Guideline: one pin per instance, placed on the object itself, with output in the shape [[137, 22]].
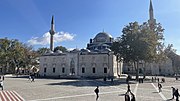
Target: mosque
[[97, 60]]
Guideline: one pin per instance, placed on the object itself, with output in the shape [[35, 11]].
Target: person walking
[[176, 94], [97, 92], [1, 85], [173, 90], [132, 97], [127, 98], [160, 87], [29, 78]]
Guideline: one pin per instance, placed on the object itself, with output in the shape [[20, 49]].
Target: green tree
[[42, 51], [61, 48], [139, 43], [15, 55]]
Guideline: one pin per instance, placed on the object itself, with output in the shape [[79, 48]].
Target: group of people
[[127, 94], [157, 79]]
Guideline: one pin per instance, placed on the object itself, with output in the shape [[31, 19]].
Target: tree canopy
[[139, 42], [14, 54]]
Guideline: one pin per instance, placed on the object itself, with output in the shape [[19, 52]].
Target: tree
[[15, 55], [42, 51], [4, 53], [171, 53], [61, 48], [139, 43]]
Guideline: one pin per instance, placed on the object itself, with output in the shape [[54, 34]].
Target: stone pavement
[[83, 89]]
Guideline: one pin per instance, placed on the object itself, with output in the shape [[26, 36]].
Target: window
[[63, 70], [94, 70], [83, 70], [54, 69], [105, 70], [44, 70]]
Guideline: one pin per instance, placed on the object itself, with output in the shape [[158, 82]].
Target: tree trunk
[[137, 70]]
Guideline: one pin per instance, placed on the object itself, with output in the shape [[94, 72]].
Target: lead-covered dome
[[102, 37]]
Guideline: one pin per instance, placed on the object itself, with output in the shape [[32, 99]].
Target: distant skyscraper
[[151, 20], [52, 32]]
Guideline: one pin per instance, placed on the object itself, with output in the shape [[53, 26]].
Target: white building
[[97, 61]]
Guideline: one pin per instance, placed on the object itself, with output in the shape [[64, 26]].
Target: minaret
[[151, 20], [52, 32]]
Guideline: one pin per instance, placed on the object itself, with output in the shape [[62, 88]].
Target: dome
[[58, 51], [49, 51], [102, 37], [107, 49], [75, 50], [85, 50]]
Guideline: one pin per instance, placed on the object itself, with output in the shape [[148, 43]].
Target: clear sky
[[76, 21]]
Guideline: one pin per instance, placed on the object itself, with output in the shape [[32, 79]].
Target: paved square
[[83, 89]]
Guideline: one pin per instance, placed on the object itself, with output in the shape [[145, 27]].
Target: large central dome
[[102, 37], [100, 42]]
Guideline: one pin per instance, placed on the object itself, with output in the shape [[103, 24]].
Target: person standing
[[97, 92], [158, 80], [173, 90], [3, 77]]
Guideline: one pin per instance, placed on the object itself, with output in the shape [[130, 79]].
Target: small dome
[[49, 51], [58, 51], [107, 49], [85, 50], [75, 50]]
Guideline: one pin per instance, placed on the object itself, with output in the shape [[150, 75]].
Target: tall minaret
[[151, 20], [52, 32]]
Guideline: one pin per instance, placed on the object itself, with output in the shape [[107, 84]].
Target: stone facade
[[160, 68], [79, 64]]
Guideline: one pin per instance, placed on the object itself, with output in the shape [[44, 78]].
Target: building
[[96, 61]]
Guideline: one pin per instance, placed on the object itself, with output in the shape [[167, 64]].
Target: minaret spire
[[151, 15], [52, 32], [151, 20]]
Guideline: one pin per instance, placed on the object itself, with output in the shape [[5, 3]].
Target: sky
[[76, 21]]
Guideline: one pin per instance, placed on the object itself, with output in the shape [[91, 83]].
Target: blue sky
[[76, 21]]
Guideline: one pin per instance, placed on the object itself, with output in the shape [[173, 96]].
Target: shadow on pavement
[[80, 83]]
